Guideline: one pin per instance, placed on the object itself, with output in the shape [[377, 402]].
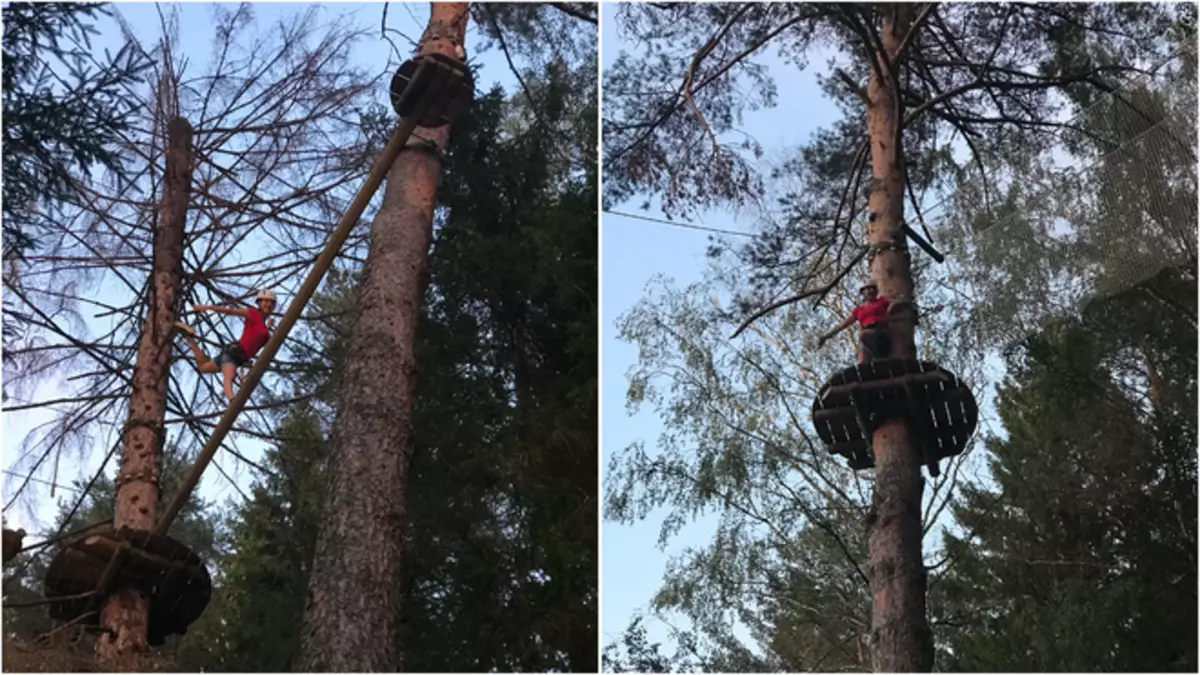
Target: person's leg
[[228, 370], [203, 363], [874, 344]]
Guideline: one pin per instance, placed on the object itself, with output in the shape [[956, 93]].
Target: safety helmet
[[869, 283], [265, 295]]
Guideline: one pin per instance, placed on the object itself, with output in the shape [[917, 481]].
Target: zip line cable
[[30, 477], [689, 226]]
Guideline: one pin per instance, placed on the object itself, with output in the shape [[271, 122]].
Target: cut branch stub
[[443, 77], [939, 406], [174, 579]]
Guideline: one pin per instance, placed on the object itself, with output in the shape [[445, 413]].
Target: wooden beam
[[890, 383]]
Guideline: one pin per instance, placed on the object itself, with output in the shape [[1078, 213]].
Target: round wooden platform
[[166, 571], [445, 78], [859, 399]]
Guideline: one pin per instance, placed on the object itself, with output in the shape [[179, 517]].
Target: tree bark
[[126, 611], [350, 623], [901, 639]]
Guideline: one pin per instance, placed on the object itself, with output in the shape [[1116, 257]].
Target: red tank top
[[871, 312], [254, 334]]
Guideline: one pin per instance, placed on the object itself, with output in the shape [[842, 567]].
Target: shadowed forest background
[[1050, 154], [500, 540]]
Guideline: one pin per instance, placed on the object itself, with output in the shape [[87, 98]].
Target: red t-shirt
[[255, 333], [871, 312]]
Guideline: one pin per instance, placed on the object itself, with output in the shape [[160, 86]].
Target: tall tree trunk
[[351, 619], [126, 611], [900, 636]]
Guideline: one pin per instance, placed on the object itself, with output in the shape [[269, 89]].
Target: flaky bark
[[900, 634], [126, 610], [350, 623]]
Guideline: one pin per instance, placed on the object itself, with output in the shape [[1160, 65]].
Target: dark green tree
[[506, 410], [253, 621], [1079, 555], [65, 108]]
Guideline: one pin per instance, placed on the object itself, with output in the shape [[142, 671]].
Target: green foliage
[[1081, 555], [634, 653], [64, 108], [505, 415], [1035, 240], [65, 111], [252, 623], [685, 150]]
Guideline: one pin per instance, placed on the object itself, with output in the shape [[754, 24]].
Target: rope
[[315, 276]]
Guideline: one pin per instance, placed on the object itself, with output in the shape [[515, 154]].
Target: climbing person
[[255, 333], [875, 340]]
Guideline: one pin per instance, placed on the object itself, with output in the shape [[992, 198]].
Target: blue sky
[[371, 53], [635, 251]]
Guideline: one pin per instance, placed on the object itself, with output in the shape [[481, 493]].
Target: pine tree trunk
[[350, 623], [127, 611], [900, 636]]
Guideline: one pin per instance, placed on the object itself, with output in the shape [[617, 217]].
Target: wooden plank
[[916, 378], [847, 449], [831, 414], [860, 416], [142, 564], [862, 461]]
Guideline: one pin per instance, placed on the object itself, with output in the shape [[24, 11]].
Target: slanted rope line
[[382, 165]]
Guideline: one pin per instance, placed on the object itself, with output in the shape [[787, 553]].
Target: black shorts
[[232, 353], [876, 342]]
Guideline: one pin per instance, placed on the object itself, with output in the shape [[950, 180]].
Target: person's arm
[[846, 323], [235, 311]]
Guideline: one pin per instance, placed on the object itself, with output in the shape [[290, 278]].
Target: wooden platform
[[166, 571], [442, 77], [856, 401]]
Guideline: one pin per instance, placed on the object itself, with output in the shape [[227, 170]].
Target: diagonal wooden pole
[[332, 248]]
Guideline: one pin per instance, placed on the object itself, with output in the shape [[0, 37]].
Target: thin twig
[[48, 601], [822, 291], [567, 9], [69, 535]]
